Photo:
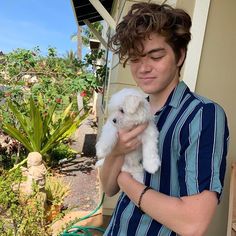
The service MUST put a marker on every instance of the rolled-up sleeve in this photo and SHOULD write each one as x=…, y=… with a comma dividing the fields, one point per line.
x=204, y=143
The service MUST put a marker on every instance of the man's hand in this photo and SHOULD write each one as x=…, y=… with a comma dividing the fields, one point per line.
x=128, y=140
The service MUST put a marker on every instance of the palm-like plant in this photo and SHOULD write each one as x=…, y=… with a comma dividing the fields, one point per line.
x=39, y=129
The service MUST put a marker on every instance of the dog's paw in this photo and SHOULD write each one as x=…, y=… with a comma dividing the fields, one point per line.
x=137, y=173
x=151, y=166
x=102, y=150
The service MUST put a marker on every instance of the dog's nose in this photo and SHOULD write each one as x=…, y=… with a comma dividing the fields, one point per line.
x=114, y=120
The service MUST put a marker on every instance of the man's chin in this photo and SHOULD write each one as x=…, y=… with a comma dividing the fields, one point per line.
x=148, y=90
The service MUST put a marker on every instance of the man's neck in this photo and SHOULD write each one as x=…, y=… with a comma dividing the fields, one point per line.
x=158, y=100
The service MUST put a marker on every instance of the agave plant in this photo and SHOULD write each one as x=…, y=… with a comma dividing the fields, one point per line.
x=40, y=127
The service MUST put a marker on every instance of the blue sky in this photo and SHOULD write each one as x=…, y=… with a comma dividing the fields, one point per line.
x=30, y=23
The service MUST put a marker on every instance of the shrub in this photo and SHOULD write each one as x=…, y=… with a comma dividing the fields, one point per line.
x=39, y=128
x=20, y=215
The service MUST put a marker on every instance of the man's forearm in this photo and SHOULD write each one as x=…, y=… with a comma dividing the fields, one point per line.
x=186, y=216
x=109, y=172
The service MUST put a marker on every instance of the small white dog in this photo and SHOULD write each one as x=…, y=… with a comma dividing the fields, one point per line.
x=128, y=108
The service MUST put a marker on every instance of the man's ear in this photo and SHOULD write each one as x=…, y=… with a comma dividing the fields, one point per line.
x=182, y=57
x=131, y=104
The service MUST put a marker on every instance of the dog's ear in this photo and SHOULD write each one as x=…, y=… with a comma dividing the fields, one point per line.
x=132, y=103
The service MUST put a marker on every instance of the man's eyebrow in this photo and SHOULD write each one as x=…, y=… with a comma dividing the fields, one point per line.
x=151, y=51
x=155, y=50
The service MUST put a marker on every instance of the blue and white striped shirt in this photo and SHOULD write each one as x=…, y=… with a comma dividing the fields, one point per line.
x=193, y=146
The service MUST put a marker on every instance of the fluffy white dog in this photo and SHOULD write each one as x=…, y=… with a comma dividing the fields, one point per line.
x=128, y=108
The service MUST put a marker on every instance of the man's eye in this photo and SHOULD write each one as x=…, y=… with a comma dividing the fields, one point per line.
x=156, y=57
x=134, y=60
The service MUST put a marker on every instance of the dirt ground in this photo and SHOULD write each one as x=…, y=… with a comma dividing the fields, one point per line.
x=81, y=174
x=82, y=177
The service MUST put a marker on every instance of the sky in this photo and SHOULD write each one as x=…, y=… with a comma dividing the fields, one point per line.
x=30, y=23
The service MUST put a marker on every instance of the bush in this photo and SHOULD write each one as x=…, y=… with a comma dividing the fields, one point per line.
x=23, y=215
x=20, y=215
x=56, y=191
x=60, y=152
x=40, y=128
x=26, y=74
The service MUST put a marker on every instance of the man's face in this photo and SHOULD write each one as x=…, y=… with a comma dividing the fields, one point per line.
x=157, y=70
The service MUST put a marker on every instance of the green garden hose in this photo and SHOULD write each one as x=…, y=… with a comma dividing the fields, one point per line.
x=76, y=230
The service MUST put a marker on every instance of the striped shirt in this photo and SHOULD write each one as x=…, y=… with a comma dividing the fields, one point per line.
x=193, y=146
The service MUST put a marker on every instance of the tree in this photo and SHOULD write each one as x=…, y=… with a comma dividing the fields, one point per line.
x=84, y=34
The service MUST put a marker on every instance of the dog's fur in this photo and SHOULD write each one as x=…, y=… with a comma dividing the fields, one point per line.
x=128, y=108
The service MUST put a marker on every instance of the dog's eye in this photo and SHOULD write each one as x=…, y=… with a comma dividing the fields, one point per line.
x=121, y=110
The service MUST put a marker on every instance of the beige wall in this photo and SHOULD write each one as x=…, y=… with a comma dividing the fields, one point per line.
x=216, y=80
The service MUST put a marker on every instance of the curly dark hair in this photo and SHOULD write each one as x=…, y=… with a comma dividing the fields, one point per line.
x=146, y=18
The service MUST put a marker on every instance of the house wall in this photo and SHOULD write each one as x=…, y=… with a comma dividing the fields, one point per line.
x=119, y=78
x=214, y=76
x=216, y=80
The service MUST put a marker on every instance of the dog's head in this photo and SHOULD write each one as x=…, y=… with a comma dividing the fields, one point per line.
x=128, y=108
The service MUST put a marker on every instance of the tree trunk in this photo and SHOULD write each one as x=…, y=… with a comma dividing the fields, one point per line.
x=79, y=43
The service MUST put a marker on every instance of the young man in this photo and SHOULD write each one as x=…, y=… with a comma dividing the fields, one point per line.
x=181, y=198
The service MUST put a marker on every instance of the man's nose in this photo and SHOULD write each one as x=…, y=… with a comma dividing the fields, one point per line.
x=145, y=65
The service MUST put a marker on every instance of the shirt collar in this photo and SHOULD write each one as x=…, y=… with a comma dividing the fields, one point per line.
x=177, y=95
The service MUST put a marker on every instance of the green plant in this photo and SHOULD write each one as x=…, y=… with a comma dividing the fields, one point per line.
x=19, y=215
x=56, y=80
x=87, y=33
x=61, y=151
x=52, y=73
x=56, y=190
x=41, y=128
